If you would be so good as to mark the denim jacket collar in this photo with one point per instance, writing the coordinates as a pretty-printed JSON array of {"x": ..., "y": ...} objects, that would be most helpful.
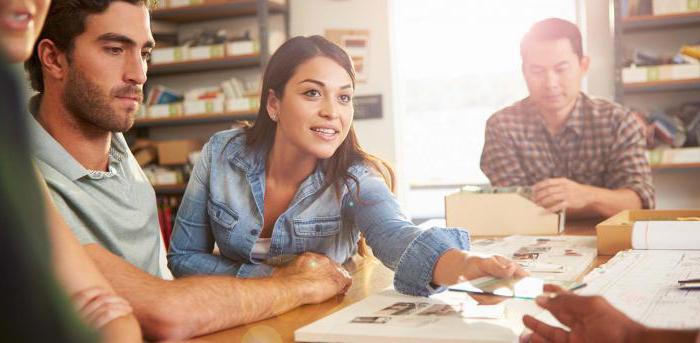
[
  {"x": 245, "y": 158},
  {"x": 252, "y": 163}
]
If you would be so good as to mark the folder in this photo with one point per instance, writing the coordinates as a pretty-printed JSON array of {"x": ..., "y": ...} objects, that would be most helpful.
[{"x": 500, "y": 214}]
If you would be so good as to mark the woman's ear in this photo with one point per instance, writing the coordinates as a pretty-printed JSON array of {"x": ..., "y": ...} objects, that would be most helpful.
[
  {"x": 273, "y": 105},
  {"x": 54, "y": 62}
]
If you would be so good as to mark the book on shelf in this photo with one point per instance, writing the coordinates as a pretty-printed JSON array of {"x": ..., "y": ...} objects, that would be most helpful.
[{"x": 167, "y": 212}]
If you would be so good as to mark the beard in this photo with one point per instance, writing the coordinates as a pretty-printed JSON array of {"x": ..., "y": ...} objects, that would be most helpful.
[{"x": 88, "y": 102}]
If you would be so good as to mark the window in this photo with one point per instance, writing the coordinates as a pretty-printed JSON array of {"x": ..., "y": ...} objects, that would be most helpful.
[{"x": 458, "y": 63}]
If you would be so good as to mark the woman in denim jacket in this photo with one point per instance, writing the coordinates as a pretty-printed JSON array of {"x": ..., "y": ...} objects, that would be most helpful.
[{"x": 298, "y": 181}]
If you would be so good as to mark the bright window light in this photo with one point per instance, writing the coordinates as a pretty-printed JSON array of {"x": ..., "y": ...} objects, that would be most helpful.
[{"x": 458, "y": 63}]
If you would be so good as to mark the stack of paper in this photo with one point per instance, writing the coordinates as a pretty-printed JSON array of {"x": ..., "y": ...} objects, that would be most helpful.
[
  {"x": 445, "y": 317},
  {"x": 552, "y": 258}
]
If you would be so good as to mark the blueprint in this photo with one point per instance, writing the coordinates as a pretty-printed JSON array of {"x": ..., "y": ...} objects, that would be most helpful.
[{"x": 644, "y": 285}]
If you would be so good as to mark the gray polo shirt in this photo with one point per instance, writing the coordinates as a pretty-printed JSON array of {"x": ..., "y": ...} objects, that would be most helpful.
[{"x": 116, "y": 209}]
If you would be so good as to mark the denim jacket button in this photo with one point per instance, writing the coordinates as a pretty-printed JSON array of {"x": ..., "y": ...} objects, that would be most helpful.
[{"x": 253, "y": 232}]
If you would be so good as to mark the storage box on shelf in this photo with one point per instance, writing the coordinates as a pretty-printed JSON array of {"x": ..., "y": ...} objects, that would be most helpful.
[
  {"x": 666, "y": 7},
  {"x": 669, "y": 72},
  {"x": 675, "y": 158}
]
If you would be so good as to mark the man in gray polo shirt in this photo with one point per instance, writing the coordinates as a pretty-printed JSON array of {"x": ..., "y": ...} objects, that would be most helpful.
[
  {"x": 89, "y": 67},
  {"x": 120, "y": 198}
]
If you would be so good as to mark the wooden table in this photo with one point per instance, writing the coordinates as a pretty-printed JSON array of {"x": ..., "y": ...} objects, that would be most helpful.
[{"x": 369, "y": 277}]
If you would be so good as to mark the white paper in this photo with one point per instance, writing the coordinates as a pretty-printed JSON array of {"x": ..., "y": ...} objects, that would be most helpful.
[
  {"x": 644, "y": 285},
  {"x": 666, "y": 235},
  {"x": 445, "y": 317},
  {"x": 552, "y": 258}
]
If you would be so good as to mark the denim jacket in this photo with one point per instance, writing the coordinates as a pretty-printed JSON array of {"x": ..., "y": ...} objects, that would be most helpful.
[{"x": 223, "y": 204}]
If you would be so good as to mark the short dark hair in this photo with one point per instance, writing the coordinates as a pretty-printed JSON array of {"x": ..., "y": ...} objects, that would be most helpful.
[
  {"x": 553, "y": 29},
  {"x": 64, "y": 22}
]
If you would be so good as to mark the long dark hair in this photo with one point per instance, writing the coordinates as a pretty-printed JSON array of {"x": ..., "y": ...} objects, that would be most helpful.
[
  {"x": 261, "y": 135},
  {"x": 280, "y": 69}
]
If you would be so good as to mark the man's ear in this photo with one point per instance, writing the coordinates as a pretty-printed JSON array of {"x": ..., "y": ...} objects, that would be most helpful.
[
  {"x": 54, "y": 62},
  {"x": 273, "y": 105},
  {"x": 585, "y": 63}
]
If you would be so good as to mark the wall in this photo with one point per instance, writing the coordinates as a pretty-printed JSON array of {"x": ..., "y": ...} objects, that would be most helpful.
[{"x": 599, "y": 46}]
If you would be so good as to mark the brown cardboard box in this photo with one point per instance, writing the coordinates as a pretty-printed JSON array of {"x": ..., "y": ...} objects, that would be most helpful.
[
  {"x": 144, "y": 151},
  {"x": 615, "y": 233},
  {"x": 176, "y": 152},
  {"x": 500, "y": 214}
]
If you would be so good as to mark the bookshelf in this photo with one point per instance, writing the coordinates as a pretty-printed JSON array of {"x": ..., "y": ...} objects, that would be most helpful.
[
  {"x": 217, "y": 9},
  {"x": 267, "y": 22},
  {"x": 228, "y": 62},
  {"x": 662, "y": 35},
  {"x": 675, "y": 166},
  {"x": 662, "y": 86},
  {"x": 653, "y": 22},
  {"x": 226, "y": 117}
]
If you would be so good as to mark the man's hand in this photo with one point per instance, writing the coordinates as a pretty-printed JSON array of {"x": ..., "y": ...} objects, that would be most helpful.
[
  {"x": 98, "y": 307},
  {"x": 319, "y": 278},
  {"x": 561, "y": 194},
  {"x": 456, "y": 266},
  {"x": 590, "y": 319}
]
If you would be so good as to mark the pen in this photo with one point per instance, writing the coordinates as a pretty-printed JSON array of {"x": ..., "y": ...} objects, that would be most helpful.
[{"x": 577, "y": 287}]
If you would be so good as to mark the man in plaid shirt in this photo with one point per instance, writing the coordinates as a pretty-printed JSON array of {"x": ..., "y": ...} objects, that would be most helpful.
[{"x": 582, "y": 155}]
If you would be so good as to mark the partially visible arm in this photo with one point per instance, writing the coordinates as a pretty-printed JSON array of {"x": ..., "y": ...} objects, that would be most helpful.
[
  {"x": 420, "y": 257},
  {"x": 581, "y": 201},
  {"x": 628, "y": 166},
  {"x": 197, "y": 305},
  {"x": 594, "y": 319},
  {"x": 607, "y": 202},
  {"x": 77, "y": 274},
  {"x": 499, "y": 160}
]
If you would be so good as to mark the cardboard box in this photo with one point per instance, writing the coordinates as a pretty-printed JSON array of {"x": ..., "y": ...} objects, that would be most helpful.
[
  {"x": 182, "y": 3},
  {"x": 165, "y": 110},
  {"x": 500, "y": 214},
  {"x": 176, "y": 152},
  {"x": 615, "y": 233},
  {"x": 242, "y": 105},
  {"x": 166, "y": 177},
  {"x": 245, "y": 47},
  {"x": 663, "y": 7},
  {"x": 195, "y": 107},
  {"x": 634, "y": 74},
  {"x": 684, "y": 71},
  {"x": 677, "y": 155},
  {"x": 168, "y": 55},
  {"x": 206, "y": 52}
]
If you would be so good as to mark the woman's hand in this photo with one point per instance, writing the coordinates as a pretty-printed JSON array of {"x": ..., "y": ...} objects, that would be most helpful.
[{"x": 456, "y": 266}]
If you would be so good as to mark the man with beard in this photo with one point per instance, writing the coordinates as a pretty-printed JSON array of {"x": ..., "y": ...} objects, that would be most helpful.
[{"x": 89, "y": 66}]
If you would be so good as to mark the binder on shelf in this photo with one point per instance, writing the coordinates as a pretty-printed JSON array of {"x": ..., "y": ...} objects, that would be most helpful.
[{"x": 500, "y": 214}]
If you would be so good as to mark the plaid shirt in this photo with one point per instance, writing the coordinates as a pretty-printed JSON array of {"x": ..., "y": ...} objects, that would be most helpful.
[{"x": 601, "y": 144}]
